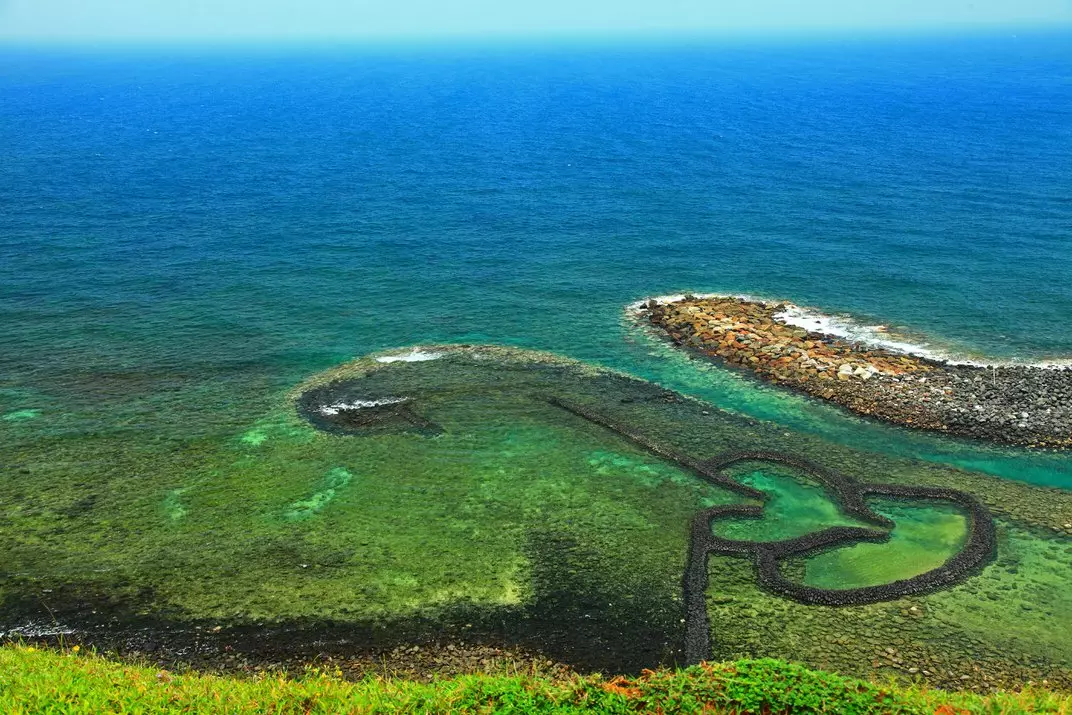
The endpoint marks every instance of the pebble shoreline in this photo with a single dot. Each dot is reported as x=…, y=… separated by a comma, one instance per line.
x=1023, y=405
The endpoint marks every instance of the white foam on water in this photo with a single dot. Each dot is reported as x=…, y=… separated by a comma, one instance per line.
x=37, y=630
x=845, y=327
x=411, y=356
x=873, y=336
x=338, y=407
x=877, y=336
x=675, y=297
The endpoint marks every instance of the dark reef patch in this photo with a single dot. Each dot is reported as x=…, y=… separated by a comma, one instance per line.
x=583, y=613
x=579, y=615
x=328, y=408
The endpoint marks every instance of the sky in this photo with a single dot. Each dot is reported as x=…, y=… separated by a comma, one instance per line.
x=244, y=20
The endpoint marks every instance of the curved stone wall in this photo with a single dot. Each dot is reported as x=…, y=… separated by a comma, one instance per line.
x=768, y=556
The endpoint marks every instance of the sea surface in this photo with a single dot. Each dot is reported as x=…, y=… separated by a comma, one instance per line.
x=186, y=234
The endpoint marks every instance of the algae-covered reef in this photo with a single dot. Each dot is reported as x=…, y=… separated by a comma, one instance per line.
x=490, y=495
x=1013, y=404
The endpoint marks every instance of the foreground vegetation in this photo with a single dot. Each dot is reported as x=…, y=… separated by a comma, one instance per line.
x=65, y=681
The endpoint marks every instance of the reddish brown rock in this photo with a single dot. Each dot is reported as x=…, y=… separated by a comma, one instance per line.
x=903, y=389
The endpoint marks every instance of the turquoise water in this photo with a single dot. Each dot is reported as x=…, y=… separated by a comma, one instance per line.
x=184, y=236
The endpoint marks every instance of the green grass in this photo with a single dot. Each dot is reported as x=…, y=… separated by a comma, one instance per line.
x=33, y=680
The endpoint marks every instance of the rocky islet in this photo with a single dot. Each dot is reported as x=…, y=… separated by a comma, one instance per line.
x=1025, y=405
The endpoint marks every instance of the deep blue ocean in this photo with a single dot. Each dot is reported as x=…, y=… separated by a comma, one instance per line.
x=185, y=233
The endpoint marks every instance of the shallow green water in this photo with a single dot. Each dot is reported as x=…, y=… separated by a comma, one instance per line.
x=510, y=511
x=793, y=509
x=925, y=537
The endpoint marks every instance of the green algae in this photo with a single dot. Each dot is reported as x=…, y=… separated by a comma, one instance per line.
x=21, y=415
x=794, y=508
x=515, y=508
x=1023, y=601
x=254, y=437
x=652, y=474
x=276, y=427
x=925, y=537
x=335, y=480
x=173, y=505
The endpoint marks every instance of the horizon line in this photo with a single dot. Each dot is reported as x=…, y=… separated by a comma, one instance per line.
x=734, y=36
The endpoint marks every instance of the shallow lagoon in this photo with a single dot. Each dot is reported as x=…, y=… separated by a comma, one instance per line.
x=496, y=516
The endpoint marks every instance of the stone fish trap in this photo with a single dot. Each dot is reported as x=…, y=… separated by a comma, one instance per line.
x=365, y=417
x=767, y=557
